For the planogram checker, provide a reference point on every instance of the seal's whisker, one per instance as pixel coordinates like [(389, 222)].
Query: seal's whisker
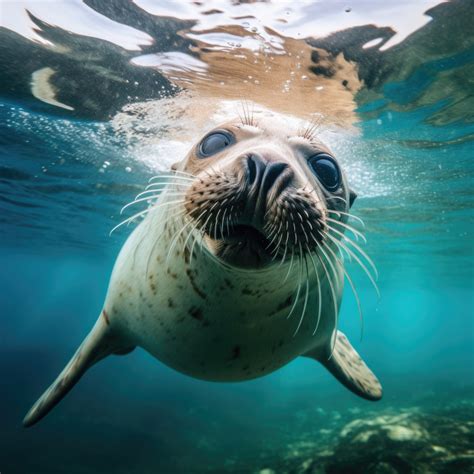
[(157, 192), (223, 218), (334, 272), (136, 201), (356, 233), (331, 287), (172, 172), (194, 243), (303, 229), (229, 219), (337, 197), (352, 216), (271, 242), (170, 178), (138, 214), (180, 172), (305, 297), (351, 283), (275, 232), (298, 289), (216, 221), (289, 268), (142, 213), (163, 224), (191, 233), (248, 115), (200, 231), (357, 259), (319, 290), (162, 187), (285, 251), (277, 246), (204, 226), (175, 240), (148, 198), (356, 247)]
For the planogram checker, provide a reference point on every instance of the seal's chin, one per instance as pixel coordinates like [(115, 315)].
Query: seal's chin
[(244, 246)]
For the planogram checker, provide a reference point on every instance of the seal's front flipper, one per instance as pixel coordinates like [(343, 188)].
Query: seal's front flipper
[(348, 367), (98, 344)]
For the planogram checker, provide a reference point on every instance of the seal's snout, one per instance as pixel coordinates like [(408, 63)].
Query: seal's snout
[(266, 180)]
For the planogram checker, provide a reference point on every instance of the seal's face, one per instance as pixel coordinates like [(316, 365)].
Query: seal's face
[(263, 193)]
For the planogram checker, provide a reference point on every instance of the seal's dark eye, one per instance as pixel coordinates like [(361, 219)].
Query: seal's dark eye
[(326, 170), (214, 143)]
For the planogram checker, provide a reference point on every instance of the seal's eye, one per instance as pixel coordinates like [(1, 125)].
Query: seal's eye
[(215, 142), (326, 170)]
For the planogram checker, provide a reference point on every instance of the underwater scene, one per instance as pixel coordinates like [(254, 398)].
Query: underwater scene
[(190, 183)]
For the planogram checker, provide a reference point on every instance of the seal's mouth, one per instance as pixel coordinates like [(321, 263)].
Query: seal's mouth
[(243, 246), (243, 232)]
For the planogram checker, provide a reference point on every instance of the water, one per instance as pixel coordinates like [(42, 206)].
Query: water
[(98, 97)]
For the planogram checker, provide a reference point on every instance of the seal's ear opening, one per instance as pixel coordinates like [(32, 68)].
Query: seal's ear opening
[(352, 197)]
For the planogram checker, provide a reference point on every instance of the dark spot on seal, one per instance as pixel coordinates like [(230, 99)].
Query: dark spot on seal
[(171, 274), (187, 255), (106, 317), (284, 304), (153, 288), (196, 313), (280, 342), (345, 82), (193, 284), (235, 352), (170, 303), (228, 283), (246, 291), (245, 367)]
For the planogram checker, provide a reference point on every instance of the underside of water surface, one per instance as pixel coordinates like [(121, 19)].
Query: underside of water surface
[(99, 97)]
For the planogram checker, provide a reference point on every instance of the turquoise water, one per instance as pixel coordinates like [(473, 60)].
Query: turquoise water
[(64, 175)]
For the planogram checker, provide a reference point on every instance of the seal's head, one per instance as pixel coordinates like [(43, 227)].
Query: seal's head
[(263, 192)]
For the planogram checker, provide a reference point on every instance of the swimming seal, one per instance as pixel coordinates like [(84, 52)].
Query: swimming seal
[(236, 268)]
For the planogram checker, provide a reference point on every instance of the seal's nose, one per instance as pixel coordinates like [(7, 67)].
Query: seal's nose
[(262, 173), (266, 180)]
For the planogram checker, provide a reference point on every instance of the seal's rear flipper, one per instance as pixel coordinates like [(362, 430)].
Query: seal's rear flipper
[(348, 367), (98, 344)]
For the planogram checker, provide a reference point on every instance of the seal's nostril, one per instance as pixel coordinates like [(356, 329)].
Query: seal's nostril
[(251, 169), (255, 168), (272, 172)]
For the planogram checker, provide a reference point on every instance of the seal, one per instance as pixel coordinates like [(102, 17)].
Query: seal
[(236, 268)]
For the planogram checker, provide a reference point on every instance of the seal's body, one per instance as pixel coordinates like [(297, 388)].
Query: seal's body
[(230, 325), (235, 270)]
